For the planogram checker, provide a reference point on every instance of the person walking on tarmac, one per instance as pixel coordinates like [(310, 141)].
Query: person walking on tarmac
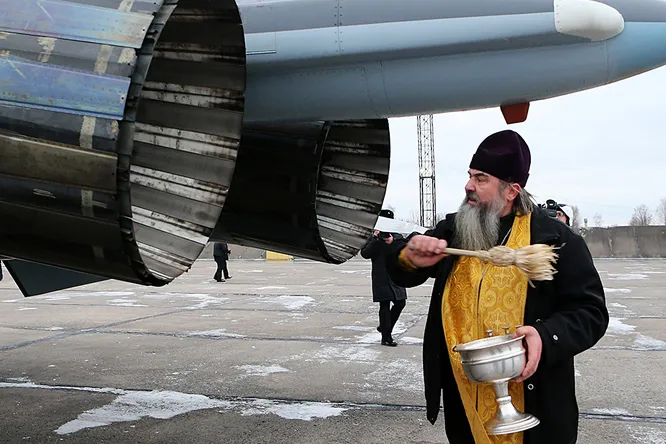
[(384, 290), (221, 255)]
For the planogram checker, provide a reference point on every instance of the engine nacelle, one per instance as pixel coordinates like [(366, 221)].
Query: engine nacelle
[(313, 190), (119, 130)]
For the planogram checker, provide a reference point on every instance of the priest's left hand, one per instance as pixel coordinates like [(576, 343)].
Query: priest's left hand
[(533, 345)]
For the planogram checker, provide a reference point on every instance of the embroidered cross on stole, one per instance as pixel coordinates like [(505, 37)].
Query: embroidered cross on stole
[(479, 297)]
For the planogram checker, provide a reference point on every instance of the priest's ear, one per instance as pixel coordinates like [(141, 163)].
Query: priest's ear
[(511, 192)]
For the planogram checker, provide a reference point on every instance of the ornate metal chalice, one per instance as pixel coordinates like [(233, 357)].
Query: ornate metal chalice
[(497, 360)]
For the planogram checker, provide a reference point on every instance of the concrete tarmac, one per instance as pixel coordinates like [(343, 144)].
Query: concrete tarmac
[(282, 353)]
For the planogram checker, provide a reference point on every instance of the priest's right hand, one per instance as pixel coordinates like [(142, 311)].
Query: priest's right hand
[(425, 251)]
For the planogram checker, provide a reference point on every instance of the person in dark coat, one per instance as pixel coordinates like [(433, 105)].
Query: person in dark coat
[(384, 290), (221, 254), (559, 318)]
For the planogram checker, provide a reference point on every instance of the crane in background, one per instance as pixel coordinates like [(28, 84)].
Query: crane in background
[(427, 196)]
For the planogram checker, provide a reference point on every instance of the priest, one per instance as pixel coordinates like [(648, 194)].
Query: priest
[(559, 318)]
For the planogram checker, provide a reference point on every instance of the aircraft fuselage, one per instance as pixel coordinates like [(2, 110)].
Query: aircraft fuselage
[(358, 59)]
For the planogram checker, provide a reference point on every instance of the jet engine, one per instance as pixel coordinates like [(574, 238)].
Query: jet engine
[(312, 189), (123, 147)]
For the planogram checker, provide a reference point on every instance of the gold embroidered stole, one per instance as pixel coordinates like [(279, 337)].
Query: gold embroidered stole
[(479, 297)]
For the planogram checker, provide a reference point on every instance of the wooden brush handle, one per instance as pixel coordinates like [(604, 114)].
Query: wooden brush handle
[(459, 252)]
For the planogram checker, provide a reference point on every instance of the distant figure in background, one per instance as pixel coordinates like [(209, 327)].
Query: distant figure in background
[(221, 254), (561, 212), (565, 214), (384, 290)]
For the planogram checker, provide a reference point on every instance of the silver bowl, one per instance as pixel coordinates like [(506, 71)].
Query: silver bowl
[(497, 360), (493, 359)]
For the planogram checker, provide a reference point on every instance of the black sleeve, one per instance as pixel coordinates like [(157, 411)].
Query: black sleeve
[(412, 278), (581, 317), (369, 248)]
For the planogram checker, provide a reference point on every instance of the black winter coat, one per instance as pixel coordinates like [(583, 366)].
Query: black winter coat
[(221, 251), (383, 288), (569, 313)]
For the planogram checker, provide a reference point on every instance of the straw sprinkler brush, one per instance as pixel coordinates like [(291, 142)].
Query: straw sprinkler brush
[(536, 261)]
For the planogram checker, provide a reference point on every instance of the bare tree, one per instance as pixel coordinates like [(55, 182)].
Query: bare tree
[(597, 220), (414, 217), (575, 219), (642, 216), (661, 211)]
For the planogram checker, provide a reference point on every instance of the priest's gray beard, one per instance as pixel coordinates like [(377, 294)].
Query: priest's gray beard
[(477, 227)]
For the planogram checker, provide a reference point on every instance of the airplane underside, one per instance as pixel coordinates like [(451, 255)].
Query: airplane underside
[(142, 156)]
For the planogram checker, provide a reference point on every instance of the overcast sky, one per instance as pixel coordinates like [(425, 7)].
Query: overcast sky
[(602, 150)]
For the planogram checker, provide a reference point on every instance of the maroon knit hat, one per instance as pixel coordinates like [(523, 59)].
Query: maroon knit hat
[(504, 155)]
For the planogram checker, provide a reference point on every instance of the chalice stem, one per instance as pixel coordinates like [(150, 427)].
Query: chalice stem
[(505, 408)]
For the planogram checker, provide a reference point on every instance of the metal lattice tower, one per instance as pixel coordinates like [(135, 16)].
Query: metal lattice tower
[(428, 200)]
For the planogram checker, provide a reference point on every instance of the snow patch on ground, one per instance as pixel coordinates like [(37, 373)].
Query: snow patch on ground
[(125, 303), (203, 300), (648, 343), (58, 297), (641, 342), (292, 318), (219, 333), (617, 290), (354, 328), (134, 405), (647, 435), (347, 353), (400, 374), (611, 411), (305, 411), (71, 294), (25, 383), (616, 326), (289, 302), (410, 340), (21, 379), (627, 276), (261, 370)]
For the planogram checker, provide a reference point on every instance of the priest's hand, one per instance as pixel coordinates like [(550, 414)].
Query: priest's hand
[(533, 344), (425, 251)]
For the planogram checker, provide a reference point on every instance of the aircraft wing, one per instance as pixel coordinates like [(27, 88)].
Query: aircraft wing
[(398, 226), (34, 279)]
